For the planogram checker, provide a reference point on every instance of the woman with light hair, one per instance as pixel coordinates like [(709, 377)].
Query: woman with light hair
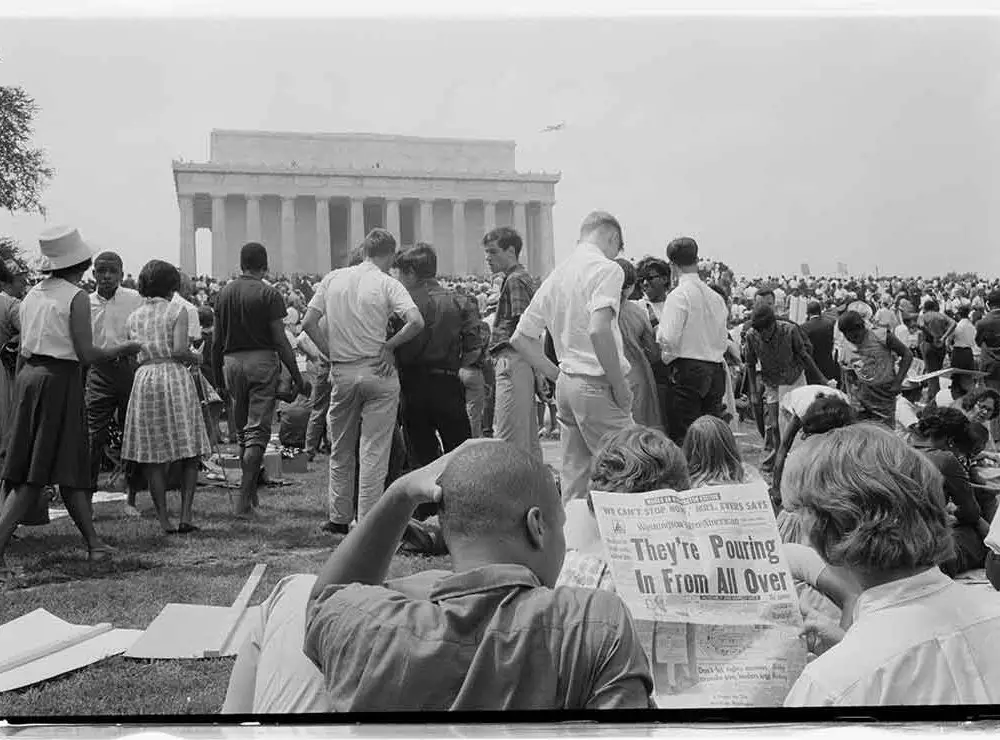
[(713, 457), (875, 508)]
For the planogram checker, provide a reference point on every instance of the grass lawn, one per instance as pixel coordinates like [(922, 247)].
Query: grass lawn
[(152, 570)]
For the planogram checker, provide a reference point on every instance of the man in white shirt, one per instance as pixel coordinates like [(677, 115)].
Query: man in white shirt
[(357, 303), (578, 305), (109, 384), (693, 337)]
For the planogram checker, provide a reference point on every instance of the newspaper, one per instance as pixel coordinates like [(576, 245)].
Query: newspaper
[(705, 577)]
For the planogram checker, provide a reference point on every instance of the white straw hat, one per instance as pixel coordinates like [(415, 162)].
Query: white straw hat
[(62, 247)]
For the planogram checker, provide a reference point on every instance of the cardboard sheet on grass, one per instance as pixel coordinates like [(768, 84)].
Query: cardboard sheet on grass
[(193, 631), (40, 646), (707, 582)]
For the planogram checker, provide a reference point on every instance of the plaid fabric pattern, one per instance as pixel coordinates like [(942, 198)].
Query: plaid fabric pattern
[(164, 420), (515, 295)]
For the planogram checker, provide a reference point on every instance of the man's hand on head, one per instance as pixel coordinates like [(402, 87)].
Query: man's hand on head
[(421, 486)]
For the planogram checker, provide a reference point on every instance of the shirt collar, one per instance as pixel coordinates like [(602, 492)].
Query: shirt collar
[(481, 580), (896, 593), (689, 277), (514, 268), (114, 295), (592, 250)]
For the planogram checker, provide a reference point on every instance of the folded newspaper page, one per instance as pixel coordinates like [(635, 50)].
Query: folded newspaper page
[(704, 575)]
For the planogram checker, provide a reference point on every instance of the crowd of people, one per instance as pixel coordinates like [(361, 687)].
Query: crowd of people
[(877, 469)]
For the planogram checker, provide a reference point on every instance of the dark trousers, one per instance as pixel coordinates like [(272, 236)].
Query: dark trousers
[(490, 387), (933, 361), (993, 569), (109, 385), (697, 389), (962, 358), (433, 405)]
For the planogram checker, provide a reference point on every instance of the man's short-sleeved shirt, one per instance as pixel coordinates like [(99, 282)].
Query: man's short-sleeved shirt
[(358, 303), (244, 311), (490, 638), (582, 285)]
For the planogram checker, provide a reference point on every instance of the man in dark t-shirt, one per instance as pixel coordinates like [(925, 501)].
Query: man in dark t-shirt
[(249, 348)]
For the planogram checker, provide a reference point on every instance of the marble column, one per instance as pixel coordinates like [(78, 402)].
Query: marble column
[(288, 266), (357, 223), (324, 257), (188, 254), (460, 261), (220, 249), (253, 218), (392, 224), (427, 221), (521, 227), (489, 215), (547, 251)]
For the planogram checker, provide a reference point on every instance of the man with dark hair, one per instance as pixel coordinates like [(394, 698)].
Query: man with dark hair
[(578, 305), (693, 338), (937, 329), (988, 339), (493, 633), (871, 376), (514, 418), (109, 383), (784, 362), (249, 348), (357, 303), (432, 394), (819, 330)]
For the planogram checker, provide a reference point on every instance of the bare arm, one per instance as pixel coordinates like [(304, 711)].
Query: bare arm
[(603, 339), (181, 342), (905, 358), (83, 337), (280, 340), (310, 325), (532, 350)]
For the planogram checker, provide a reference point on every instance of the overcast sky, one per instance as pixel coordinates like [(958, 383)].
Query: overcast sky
[(772, 141)]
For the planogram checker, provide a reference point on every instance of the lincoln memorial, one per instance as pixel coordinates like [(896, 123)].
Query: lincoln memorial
[(311, 198)]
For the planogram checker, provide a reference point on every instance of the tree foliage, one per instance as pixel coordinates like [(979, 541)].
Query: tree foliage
[(23, 169)]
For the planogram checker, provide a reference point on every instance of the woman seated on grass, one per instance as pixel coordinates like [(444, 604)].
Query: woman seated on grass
[(874, 506), (638, 460), (943, 435), (713, 457), (981, 406)]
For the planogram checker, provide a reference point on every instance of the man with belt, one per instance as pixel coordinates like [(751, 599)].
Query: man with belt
[(431, 389), (514, 418), (109, 383), (578, 304), (249, 349), (693, 338), (364, 398)]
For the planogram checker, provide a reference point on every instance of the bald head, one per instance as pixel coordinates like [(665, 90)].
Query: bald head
[(487, 489)]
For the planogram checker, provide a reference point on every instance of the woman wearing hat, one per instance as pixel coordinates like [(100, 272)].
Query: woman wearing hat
[(48, 443)]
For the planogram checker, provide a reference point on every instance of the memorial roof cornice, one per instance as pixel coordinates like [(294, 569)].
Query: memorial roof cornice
[(247, 169), (359, 135)]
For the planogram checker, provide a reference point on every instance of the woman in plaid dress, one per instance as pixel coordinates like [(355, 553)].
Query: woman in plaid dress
[(164, 423)]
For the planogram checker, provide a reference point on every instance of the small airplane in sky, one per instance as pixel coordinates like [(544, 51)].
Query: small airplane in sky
[(556, 127)]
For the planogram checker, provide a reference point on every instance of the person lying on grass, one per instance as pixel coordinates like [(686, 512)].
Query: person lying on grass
[(271, 674), (492, 634)]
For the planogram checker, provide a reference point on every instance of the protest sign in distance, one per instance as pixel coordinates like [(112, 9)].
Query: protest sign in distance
[(705, 577)]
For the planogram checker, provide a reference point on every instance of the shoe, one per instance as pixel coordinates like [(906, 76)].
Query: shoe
[(334, 528), (100, 554), (187, 528)]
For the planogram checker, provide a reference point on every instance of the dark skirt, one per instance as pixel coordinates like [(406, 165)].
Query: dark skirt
[(48, 441)]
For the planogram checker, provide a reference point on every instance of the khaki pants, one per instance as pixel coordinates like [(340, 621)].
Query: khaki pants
[(361, 402), (587, 414), (514, 418)]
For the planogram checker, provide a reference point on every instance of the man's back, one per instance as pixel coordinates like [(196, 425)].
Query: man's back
[(488, 638), (358, 302), (819, 331), (446, 314), (244, 311)]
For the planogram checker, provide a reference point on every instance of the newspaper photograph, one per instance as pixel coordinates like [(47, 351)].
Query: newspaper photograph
[(707, 582)]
